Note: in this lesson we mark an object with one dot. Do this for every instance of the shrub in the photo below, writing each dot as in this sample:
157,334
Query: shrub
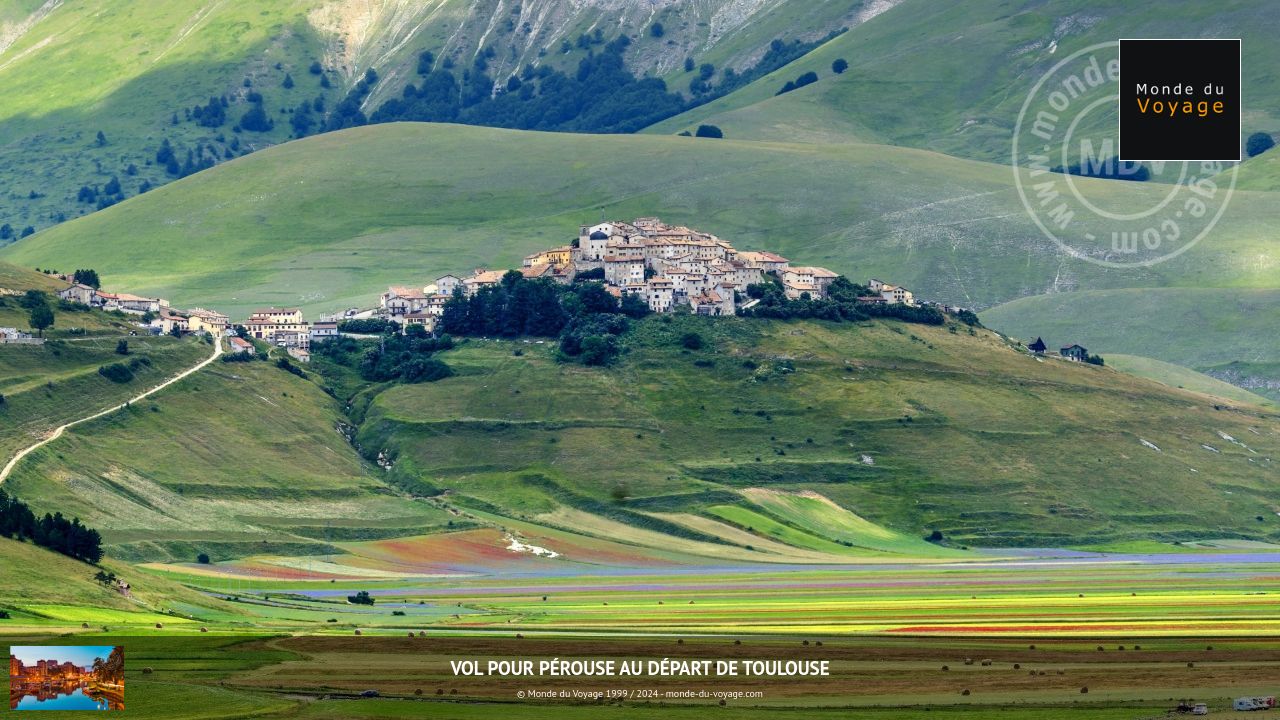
122,347
116,372
691,341
203,558
709,131
360,598
1258,143
839,66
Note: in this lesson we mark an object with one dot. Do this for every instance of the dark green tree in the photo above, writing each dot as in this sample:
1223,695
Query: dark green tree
1259,143
41,318
839,66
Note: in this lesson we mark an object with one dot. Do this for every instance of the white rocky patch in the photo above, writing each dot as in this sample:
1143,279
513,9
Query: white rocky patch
868,460
1149,444
520,547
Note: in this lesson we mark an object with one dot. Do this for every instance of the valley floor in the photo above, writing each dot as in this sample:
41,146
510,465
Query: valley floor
1010,633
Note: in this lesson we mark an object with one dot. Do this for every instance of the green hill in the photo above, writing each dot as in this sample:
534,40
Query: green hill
1197,328
910,427
135,71
46,385
1178,376
238,458
329,221
798,441
40,587
952,77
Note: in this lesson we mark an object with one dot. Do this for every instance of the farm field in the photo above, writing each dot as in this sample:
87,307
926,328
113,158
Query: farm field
950,640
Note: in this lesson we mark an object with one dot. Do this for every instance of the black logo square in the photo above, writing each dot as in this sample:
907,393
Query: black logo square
1180,100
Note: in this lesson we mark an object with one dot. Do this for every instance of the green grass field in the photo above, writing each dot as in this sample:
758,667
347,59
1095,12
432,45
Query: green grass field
952,78
1178,376
1230,324
235,459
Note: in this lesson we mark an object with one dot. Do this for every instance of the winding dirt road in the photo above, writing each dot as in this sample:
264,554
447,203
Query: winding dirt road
57,432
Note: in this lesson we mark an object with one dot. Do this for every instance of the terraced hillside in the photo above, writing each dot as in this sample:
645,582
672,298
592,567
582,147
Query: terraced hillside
46,385
239,458
910,427
781,441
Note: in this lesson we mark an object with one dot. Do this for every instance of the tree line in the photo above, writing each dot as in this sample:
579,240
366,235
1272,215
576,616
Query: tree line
584,316
55,532
840,305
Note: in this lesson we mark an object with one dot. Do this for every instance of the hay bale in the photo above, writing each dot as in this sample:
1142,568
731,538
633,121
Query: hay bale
965,691
945,668
1031,647
204,629
84,626
818,643
1120,647
422,633
418,691
680,641
737,642
411,633
147,671
1209,647
358,632
519,636
1101,649
439,691
1191,664
1017,666
986,663
968,661
1137,647
159,626
805,643
1084,690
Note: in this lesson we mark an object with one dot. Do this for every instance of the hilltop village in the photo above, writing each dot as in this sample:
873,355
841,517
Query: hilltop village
670,268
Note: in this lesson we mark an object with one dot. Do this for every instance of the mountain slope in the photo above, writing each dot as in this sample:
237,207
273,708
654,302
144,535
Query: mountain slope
779,441
952,77
134,71
238,458
911,427
329,221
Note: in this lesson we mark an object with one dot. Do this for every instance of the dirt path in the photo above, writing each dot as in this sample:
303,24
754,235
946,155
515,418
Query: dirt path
57,432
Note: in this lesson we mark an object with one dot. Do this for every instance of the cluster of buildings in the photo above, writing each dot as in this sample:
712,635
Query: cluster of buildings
158,315
283,327
1075,352
667,266
46,670
14,336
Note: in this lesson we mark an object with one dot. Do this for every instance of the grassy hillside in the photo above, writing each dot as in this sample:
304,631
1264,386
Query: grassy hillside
44,386
329,221
1180,377
1195,328
910,427
133,71
951,77
240,457
41,587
